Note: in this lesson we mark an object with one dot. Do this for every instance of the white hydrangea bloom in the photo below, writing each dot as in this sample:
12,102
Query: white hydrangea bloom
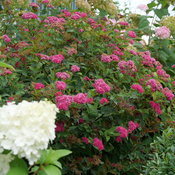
5,159
27,128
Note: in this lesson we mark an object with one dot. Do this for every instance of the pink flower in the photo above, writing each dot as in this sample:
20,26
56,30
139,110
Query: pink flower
81,14
29,15
62,75
137,87
127,67
59,126
98,144
147,60
86,78
75,68
54,20
131,34
122,131
81,30
63,102
118,139
168,93
80,121
162,73
142,7
6,39
11,98
133,52
104,100
154,84
132,126
7,72
123,23
57,58
162,32
155,107
90,100
100,86
116,30
45,1
58,93
38,86
80,98
42,56
33,4
85,140
114,57
71,51
106,58
60,85
173,66
173,82
75,16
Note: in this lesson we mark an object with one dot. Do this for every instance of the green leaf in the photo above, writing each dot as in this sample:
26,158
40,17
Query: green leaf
49,170
161,12
2,64
18,167
143,22
51,156
151,5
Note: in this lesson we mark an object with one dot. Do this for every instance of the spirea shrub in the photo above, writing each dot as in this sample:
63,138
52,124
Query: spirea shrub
27,128
113,95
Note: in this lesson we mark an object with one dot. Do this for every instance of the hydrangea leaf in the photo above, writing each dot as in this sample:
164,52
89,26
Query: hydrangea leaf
18,167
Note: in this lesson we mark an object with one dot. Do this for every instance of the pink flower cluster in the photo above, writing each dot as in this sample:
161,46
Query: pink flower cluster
98,144
154,84
5,72
162,74
62,75
78,15
162,32
132,126
123,23
75,68
54,19
133,52
63,102
100,86
38,86
124,132
108,58
60,85
45,1
59,126
42,56
56,58
127,67
71,51
6,39
103,101
168,93
85,140
147,60
80,98
137,87
33,4
132,34
29,15
155,107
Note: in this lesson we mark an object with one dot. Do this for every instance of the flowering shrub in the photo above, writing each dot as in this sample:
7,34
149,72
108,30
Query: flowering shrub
113,98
